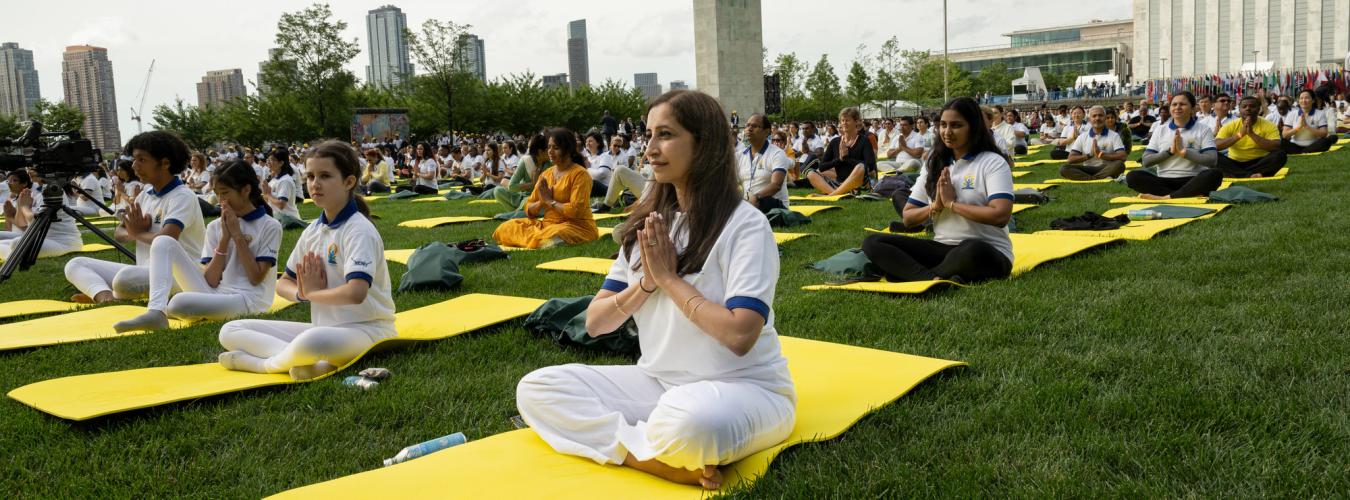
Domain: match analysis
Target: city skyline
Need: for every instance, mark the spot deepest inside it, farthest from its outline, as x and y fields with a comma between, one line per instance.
x=621, y=41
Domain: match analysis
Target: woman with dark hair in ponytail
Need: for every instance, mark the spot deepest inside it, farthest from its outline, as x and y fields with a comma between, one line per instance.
x=558, y=212
x=965, y=190
x=697, y=272
x=337, y=266
x=240, y=251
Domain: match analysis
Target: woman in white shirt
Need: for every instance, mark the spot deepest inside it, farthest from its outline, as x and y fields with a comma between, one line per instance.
x=425, y=171
x=965, y=190
x=21, y=210
x=492, y=170
x=281, y=194
x=697, y=272
x=1183, y=151
x=126, y=185
x=233, y=276
x=337, y=266
x=1069, y=134
x=1309, y=128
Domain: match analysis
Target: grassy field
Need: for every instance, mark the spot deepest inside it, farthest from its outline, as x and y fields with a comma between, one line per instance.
x=1208, y=362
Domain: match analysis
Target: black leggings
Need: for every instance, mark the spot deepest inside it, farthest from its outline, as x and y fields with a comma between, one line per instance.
x=1266, y=165
x=1177, y=187
x=903, y=258
x=418, y=189
x=1059, y=153
x=770, y=203
x=1317, y=146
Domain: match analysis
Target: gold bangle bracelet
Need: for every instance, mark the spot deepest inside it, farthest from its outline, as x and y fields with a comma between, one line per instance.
x=616, y=305
x=695, y=311
x=691, y=298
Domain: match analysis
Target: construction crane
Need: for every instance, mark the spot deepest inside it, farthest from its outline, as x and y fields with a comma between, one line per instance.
x=145, y=87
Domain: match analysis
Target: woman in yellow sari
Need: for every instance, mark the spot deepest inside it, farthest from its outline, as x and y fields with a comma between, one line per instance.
x=558, y=211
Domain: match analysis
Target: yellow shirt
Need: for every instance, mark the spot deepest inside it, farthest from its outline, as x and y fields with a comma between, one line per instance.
x=1245, y=149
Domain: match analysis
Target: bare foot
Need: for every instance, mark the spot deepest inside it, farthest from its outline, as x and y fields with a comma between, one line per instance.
x=709, y=478
x=1256, y=176
x=1147, y=196
x=81, y=298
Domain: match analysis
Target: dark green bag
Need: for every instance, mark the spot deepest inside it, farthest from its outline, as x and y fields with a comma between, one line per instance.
x=402, y=195
x=456, y=195
x=781, y=217
x=470, y=251
x=564, y=321
x=1240, y=194
x=288, y=222
x=849, y=263
x=518, y=214
x=433, y=266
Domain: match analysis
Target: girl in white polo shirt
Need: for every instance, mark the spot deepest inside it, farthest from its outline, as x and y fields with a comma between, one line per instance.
x=239, y=254
x=281, y=194
x=965, y=189
x=697, y=273
x=338, y=267
x=1309, y=128
x=1183, y=150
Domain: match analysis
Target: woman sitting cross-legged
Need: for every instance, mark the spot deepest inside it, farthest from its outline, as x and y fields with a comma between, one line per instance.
x=558, y=212
x=22, y=209
x=965, y=189
x=527, y=170
x=338, y=267
x=697, y=273
x=240, y=251
x=1183, y=150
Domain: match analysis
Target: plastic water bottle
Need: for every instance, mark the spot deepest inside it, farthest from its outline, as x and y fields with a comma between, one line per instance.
x=1144, y=215
x=425, y=448
x=359, y=381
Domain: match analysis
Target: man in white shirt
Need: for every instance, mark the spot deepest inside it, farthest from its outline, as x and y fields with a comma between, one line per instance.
x=810, y=149
x=1098, y=154
x=906, y=150
x=763, y=167
x=1220, y=112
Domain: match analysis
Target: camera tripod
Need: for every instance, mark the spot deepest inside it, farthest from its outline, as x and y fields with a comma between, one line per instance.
x=25, y=253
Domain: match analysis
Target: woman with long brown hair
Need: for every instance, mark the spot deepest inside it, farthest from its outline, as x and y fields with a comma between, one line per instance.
x=697, y=273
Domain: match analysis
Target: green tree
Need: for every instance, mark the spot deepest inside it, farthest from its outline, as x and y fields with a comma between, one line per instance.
x=996, y=79
x=823, y=86
x=57, y=116
x=10, y=127
x=191, y=123
x=886, y=88
x=437, y=50
x=859, y=84
x=921, y=73
x=310, y=65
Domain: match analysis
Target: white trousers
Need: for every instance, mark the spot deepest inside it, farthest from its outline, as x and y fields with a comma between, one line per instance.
x=171, y=270
x=283, y=345
x=910, y=165
x=51, y=247
x=605, y=413
x=624, y=178
x=93, y=276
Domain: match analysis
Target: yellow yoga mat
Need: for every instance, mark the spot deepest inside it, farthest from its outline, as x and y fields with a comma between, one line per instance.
x=1029, y=251
x=837, y=385
x=1028, y=164
x=1216, y=207
x=1022, y=207
x=1067, y=181
x=781, y=238
x=1131, y=164
x=1140, y=230
x=1279, y=175
x=84, y=397
x=433, y=199
x=593, y=265
x=819, y=197
x=85, y=325
x=1020, y=173
x=88, y=248
x=38, y=306
x=440, y=221
x=483, y=202
x=809, y=210
x=1197, y=200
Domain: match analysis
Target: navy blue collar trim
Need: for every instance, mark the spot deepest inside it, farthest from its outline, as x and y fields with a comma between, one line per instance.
x=167, y=187
x=1173, y=124
x=342, y=216
x=761, y=150
x=257, y=212
x=967, y=157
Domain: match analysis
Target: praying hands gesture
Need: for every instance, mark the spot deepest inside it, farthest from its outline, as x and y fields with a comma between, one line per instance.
x=25, y=198
x=1096, y=150
x=311, y=275
x=1178, y=147
x=945, y=196
x=659, y=258
x=229, y=224
x=135, y=221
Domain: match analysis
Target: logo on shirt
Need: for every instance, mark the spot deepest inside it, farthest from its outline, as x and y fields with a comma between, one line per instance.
x=332, y=253
x=360, y=263
x=159, y=216
x=968, y=182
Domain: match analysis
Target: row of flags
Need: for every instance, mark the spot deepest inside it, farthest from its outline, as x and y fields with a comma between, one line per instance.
x=1288, y=82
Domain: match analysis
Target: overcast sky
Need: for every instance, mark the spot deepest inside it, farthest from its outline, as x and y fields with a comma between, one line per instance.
x=187, y=38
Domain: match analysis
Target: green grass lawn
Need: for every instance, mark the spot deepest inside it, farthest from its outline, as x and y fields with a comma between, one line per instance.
x=1208, y=362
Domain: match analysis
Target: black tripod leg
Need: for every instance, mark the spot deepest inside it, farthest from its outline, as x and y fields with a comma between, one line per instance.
x=24, y=254
x=80, y=218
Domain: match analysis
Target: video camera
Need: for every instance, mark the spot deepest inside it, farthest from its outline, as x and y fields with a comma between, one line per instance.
x=59, y=160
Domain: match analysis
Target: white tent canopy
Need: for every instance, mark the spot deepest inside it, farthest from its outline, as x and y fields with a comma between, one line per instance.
x=1029, y=83
x=883, y=109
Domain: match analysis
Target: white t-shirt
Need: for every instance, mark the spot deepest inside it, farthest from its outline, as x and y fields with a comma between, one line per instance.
x=351, y=248
x=1275, y=117
x=914, y=141
x=203, y=178
x=978, y=179
x=602, y=167
x=886, y=141
x=1019, y=127
x=283, y=188
x=63, y=230
x=175, y=204
x=1194, y=135
x=1317, y=119
x=264, y=240
x=89, y=184
x=105, y=187
x=1214, y=123
x=428, y=166
x=262, y=172
x=755, y=170
x=1107, y=142
x=806, y=146
x=741, y=273
x=470, y=164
